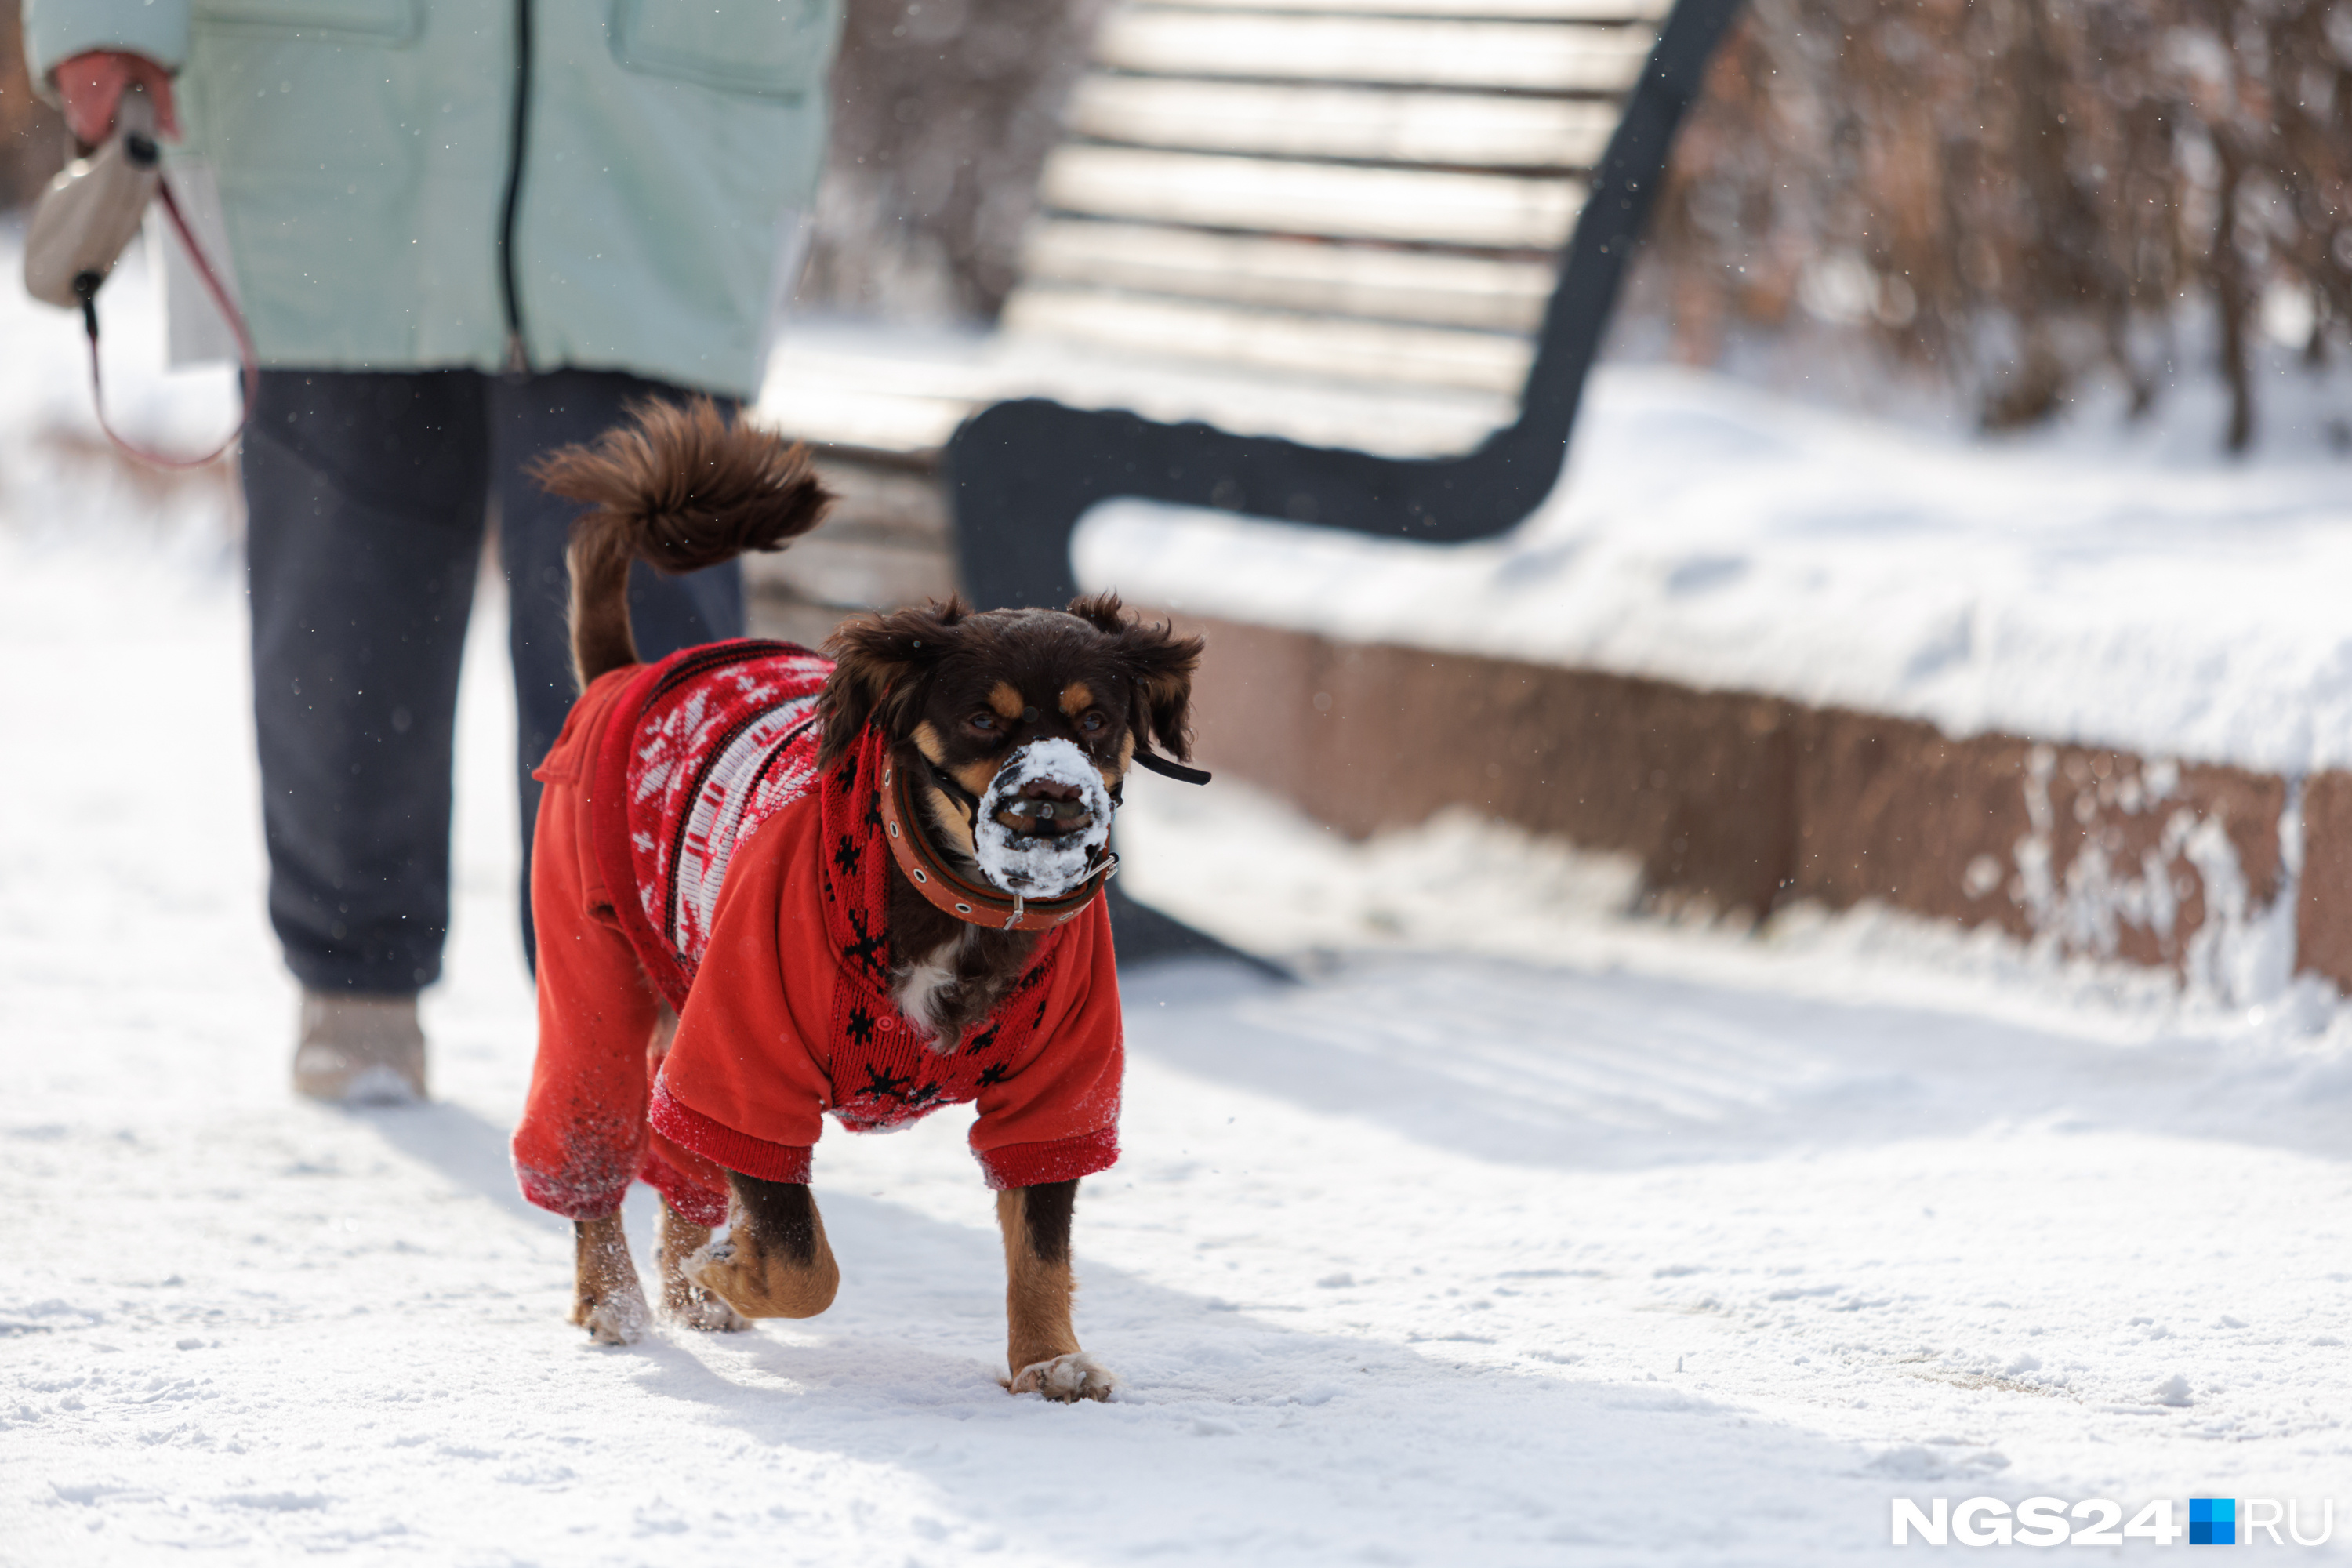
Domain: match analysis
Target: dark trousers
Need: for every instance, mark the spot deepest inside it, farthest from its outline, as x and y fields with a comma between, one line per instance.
x=367, y=495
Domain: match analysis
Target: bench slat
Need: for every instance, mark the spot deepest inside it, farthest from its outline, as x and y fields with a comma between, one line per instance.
x=1417, y=287
x=1405, y=205
x=1367, y=125
x=900, y=392
x=851, y=573
x=823, y=404
x=1306, y=346
x=1528, y=56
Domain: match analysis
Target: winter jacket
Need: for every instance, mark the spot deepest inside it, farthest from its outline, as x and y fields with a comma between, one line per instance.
x=754, y=893
x=380, y=210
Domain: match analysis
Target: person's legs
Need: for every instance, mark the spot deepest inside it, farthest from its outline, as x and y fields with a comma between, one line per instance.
x=530, y=416
x=365, y=496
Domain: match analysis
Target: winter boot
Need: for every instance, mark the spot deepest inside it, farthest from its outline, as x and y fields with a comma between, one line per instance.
x=359, y=1050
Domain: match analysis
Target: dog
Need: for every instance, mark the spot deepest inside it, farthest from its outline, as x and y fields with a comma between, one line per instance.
x=770, y=884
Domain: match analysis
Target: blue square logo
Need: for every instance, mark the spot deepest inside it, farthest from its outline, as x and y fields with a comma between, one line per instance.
x=2213, y=1522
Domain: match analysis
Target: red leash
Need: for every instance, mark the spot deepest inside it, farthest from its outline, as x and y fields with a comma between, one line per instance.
x=247, y=358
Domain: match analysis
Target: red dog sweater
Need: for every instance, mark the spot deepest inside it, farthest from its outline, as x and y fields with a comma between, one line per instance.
x=754, y=894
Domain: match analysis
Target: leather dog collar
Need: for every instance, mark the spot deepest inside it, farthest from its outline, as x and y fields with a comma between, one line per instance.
x=951, y=893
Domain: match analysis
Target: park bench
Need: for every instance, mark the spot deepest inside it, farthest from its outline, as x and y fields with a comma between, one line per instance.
x=1338, y=230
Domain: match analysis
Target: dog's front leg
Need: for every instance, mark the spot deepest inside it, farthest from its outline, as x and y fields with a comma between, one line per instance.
x=606, y=1299
x=1043, y=1350
x=775, y=1261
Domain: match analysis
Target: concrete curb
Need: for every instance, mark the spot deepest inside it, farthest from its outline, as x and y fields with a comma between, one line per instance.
x=2232, y=877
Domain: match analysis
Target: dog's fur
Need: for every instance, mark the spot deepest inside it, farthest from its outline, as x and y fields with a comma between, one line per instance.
x=955, y=693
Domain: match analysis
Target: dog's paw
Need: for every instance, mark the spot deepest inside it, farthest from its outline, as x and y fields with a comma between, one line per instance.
x=618, y=1319
x=709, y=1268
x=1066, y=1379
x=691, y=1306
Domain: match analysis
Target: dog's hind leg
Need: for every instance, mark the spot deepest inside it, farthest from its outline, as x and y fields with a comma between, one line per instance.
x=607, y=1301
x=775, y=1261
x=684, y=1301
x=1042, y=1349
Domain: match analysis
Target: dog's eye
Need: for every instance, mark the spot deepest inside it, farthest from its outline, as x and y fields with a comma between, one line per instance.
x=1092, y=723
x=982, y=721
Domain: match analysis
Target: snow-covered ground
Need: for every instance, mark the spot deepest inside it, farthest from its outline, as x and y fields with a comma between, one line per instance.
x=1518, y=1233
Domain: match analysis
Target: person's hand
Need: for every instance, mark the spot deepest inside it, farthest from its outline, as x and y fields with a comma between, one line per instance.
x=92, y=85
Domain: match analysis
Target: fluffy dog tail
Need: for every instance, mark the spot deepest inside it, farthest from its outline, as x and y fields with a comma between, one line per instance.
x=679, y=488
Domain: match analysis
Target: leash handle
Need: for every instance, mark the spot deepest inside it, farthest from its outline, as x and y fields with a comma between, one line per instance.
x=86, y=290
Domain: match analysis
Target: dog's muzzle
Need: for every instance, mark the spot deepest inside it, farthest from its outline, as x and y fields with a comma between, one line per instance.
x=1043, y=824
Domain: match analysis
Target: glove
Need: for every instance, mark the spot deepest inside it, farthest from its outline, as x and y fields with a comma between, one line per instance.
x=92, y=83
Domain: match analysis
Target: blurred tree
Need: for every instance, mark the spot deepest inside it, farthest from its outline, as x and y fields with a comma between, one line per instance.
x=2021, y=193
x=944, y=110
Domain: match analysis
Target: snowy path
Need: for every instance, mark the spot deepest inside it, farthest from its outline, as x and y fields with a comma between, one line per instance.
x=1677, y=1249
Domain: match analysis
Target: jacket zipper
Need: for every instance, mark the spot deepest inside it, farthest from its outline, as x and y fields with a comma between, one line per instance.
x=517, y=357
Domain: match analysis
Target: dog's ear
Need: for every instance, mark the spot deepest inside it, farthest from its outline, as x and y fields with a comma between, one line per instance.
x=1158, y=666
x=1100, y=611
x=880, y=662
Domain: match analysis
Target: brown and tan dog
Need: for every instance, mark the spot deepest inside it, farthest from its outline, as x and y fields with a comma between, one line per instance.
x=933, y=704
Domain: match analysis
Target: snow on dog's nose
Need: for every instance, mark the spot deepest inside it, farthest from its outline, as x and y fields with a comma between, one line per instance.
x=1042, y=820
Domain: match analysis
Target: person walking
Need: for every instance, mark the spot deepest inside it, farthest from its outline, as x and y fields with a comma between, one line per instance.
x=462, y=235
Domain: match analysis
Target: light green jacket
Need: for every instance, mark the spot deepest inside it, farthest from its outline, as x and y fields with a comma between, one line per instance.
x=363, y=153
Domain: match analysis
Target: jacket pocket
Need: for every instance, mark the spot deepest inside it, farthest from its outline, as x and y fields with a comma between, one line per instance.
x=768, y=48
x=342, y=21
